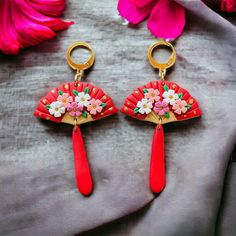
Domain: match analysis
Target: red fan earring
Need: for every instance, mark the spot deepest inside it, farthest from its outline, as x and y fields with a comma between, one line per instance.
x=76, y=103
x=160, y=102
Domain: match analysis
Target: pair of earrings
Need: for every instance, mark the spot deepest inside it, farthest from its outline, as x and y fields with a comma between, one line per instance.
x=79, y=102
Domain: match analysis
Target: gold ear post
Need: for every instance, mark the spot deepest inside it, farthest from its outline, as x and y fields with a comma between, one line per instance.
x=162, y=66
x=80, y=67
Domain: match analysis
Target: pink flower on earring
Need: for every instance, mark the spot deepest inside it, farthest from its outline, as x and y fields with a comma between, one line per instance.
x=166, y=17
x=75, y=109
x=65, y=99
x=94, y=106
x=152, y=95
x=161, y=107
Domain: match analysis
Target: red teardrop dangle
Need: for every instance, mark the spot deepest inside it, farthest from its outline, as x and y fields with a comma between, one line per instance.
x=157, y=163
x=82, y=171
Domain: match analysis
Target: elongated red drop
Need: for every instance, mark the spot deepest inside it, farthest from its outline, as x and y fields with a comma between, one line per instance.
x=157, y=163
x=82, y=171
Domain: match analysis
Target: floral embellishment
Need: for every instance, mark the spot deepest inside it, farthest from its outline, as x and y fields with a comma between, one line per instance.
x=83, y=98
x=95, y=106
x=161, y=108
x=170, y=96
x=143, y=107
x=151, y=94
x=64, y=98
x=180, y=106
x=56, y=109
x=75, y=109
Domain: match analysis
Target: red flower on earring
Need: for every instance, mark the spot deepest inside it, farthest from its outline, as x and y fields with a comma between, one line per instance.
x=166, y=17
x=25, y=23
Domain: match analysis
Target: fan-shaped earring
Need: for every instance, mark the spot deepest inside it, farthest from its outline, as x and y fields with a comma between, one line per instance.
x=76, y=103
x=160, y=102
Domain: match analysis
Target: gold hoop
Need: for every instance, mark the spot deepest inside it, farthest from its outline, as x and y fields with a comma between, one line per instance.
x=165, y=65
x=87, y=64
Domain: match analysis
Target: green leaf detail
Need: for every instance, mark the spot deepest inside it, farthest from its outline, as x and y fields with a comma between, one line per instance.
x=86, y=90
x=180, y=95
x=167, y=115
x=60, y=92
x=47, y=107
x=75, y=92
x=136, y=109
x=145, y=90
x=166, y=88
x=103, y=104
x=188, y=106
x=84, y=114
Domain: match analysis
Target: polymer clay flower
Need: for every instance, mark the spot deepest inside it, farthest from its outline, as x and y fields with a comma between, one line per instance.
x=180, y=106
x=166, y=17
x=228, y=5
x=95, y=106
x=152, y=95
x=144, y=106
x=65, y=99
x=161, y=108
x=75, y=109
x=83, y=98
x=170, y=96
x=56, y=109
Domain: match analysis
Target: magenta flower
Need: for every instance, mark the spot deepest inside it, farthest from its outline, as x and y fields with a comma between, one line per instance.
x=75, y=109
x=161, y=107
x=166, y=17
x=228, y=5
x=25, y=23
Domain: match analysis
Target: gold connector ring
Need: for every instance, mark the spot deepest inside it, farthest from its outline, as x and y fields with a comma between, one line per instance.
x=167, y=64
x=85, y=65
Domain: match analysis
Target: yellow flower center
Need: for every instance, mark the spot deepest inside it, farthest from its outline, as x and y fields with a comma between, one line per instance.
x=170, y=96
x=82, y=99
x=144, y=106
x=94, y=106
x=56, y=109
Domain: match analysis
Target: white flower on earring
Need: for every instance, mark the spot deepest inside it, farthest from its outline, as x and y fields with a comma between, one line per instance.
x=170, y=96
x=83, y=99
x=144, y=106
x=56, y=109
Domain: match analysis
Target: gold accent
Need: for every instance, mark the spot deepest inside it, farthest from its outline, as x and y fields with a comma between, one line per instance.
x=66, y=86
x=47, y=118
x=155, y=84
x=194, y=112
x=79, y=120
x=128, y=103
x=104, y=97
x=162, y=66
x=85, y=65
x=191, y=101
x=154, y=118
x=45, y=101
x=80, y=67
x=136, y=91
x=94, y=90
x=40, y=113
x=174, y=86
x=126, y=108
x=110, y=109
x=185, y=116
x=53, y=91
x=102, y=114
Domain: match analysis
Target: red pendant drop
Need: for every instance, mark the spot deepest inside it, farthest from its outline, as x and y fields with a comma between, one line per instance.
x=82, y=171
x=157, y=164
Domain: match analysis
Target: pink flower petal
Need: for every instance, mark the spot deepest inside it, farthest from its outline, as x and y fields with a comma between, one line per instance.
x=48, y=7
x=228, y=5
x=167, y=19
x=133, y=14
x=23, y=26
x=142, y=3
